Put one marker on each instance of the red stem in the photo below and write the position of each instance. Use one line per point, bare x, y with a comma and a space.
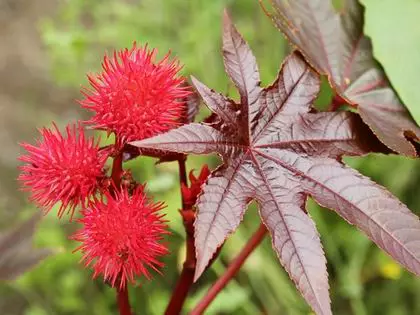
182, 175
183, 285
231, 270
186, 278
117, 170
123, 302
122, 293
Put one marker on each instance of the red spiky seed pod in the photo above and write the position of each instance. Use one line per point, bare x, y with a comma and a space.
122, 236
136, 97
67, 169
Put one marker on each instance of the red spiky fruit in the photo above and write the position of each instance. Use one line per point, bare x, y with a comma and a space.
67, 169
122, 236
136, 97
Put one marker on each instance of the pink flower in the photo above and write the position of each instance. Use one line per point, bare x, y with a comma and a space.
121, 237
62, 169
136, 97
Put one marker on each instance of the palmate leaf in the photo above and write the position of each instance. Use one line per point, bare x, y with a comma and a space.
335, 45
278, 151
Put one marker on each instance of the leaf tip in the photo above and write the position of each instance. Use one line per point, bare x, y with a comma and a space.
195, 82
140, 143
228, 26
199, 269
227, 21
136, 143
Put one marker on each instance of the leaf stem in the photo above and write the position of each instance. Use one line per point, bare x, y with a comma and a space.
186, 278
231, 270
122, 300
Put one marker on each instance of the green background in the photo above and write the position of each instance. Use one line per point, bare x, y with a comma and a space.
75, 36
395, 32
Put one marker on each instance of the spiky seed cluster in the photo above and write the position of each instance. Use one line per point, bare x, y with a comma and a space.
121, 236
136, 97
65, 169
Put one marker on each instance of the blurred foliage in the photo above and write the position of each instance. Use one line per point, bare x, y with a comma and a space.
397, 45
363, 280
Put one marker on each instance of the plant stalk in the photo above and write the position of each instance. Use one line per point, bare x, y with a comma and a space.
186, 278
182, 174
231, 270
117, 170
122, 293
123, 302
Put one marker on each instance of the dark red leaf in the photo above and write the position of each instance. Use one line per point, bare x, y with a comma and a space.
241, 66
16, 252
335, 45
278, 151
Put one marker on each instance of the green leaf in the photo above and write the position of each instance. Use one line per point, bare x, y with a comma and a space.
394, 29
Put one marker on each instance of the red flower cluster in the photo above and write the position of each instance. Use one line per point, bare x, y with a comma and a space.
134, 97
121, 236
